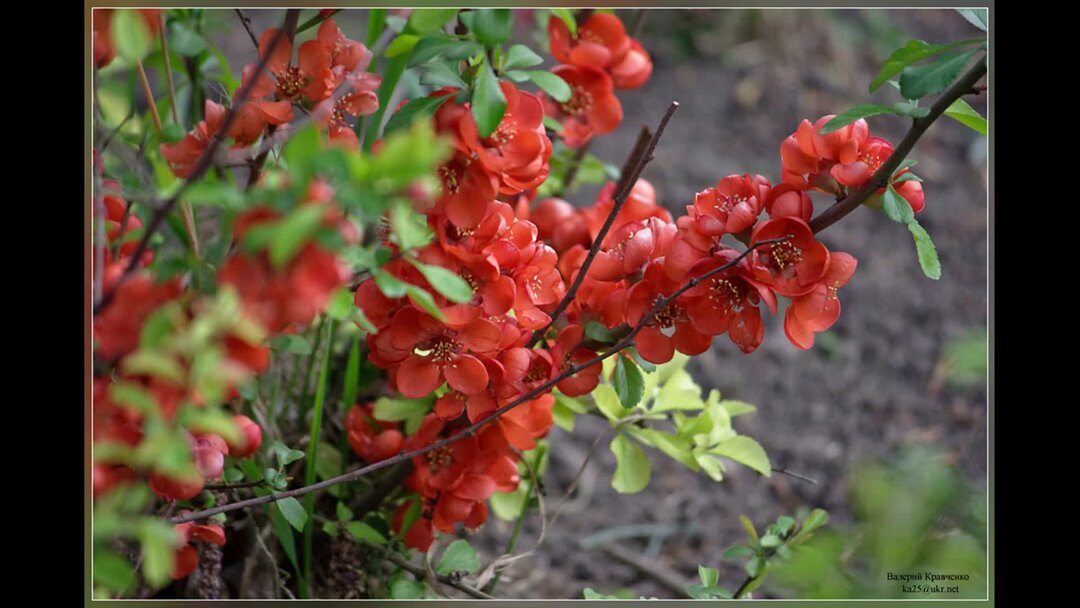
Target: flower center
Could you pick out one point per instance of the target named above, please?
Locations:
(783, 255)
(579, 103)
(439, 457)
(503, 134)
(725, 204)
(451, 174)
(443, 350)
(727, 295)
(665, 319)
(290, 81)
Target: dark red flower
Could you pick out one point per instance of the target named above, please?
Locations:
(670, 328)
(592, 107)
(729, 301)
(792, 267)
(601, 41)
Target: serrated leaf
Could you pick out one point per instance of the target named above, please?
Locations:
(446, 282)
(416, 109)
(979, 17)
(551, 84)
(362, 531)
(401, 45)
(293, 512)
(919, 81)
(746, 451)
(629, 384)
(607, 401)
(862, 111)
(492, 26)
(966, 115)
(130, 35)
(459, 556)
(488, 101)
(632, 466)
(896, 207)
(291, 343)
(912, 52)
(521, 56)
(927, 252)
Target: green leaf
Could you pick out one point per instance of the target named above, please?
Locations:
(134, 396)
(755, 567)
(113, 571)
(519, 76)
(674, 446)
(410, 229)
(439, 75)
(629, 385)
(488, 101)
(391, 286)
(912, 52)
(328, 462)
(285, 455)
(744, 450)
(896, 207)
(330, 528)
(459, 556)
(366, 533)
(910, 109)
(394, 410)
(294, 512)
(154, 363)
(737, 408)
(906, 177)
(927, 252)
(709, 576)
(130, 35)
(521, 56)
(567, 17)
(632, 466)
(751, 533)
(184, 39)
(416, 109)
(340, 306)
(562, 416)
(816, 519)
(919, 81)
(291, 343)
(293, 231)
(550, 123)
(210, 420)
(424, 300)
(846, 118)
(172, 133)
(979, 17)
(433, 47)
(343, 512)
(427, 21)
(401, 45)
(407, 589)
(444, 281)
(158, 539)
(492, 26)
(960, 111)
(771, 541)
(737, 552)
(607, 401)
(551, 84)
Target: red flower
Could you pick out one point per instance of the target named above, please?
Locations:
(729, 301)
(371, 439)
(118, 327)
(438, 352)
(187, 557)
(592, 107)
(792, 267)
(184, 154)
(567, 351)
(912, 192)
(669, 329)
(256, 113)
(518, 150)
(732, 206)
(788, 200)
(250, 437)
(634, 69)
(347, 56)
(601, 41)
(855, 168)
(817, 310)
(361, 101)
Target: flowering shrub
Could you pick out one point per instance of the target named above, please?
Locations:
(478, 307)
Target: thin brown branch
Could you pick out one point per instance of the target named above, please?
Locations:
(918, 127)
(149, 94)
(246, 21)
(168, 67)
(235, 486)
(620, 197)
(794, 474)
(420, 572)
(644, 136)
(472, 429)
(203, 164)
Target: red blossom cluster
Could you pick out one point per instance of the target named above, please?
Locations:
(598, 59)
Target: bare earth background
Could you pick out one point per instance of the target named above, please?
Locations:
(744, 80)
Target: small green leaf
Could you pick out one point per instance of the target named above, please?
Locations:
(416, 109)
(459, 556)
(401, 45)
(158, 539)
(407, 589)
(737, 552)
(488, 101)
(896, 207)
(629, 384)
(184, 39)
(906, 177)
(910, 109)
(919, 81)
(846, 118)
(550, 123)
(340, 306)
(327, 462)
(285, 455)
(744, 450)
(751, 533)
(607, 401)
(424, 300)
(426, 21)
(154, 363)
(391, 286)
(439, 75)
(492, 26)
(755, 567)
(912, 52)
(816, 519)
(927, 252)
(330, 527)
(432, 47)
(410, 229)
(446, 282)
(291, 343)
(113, 571)
(130, 35)
(567, 17)
(394, 410)
(343, 512)
(293, 231)
(966, 115)
(521, 56)
(709, 576)
(632, 466)
(979, 17)
(366, 533)
(294, 512)
(562, 416)
(737, 408)
(771, 541)
(551, 84)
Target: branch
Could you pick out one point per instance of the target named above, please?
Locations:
(919, 126)
(246, 21)
(620, 198)
(418, 571)
(200, 169)
(472, 429)
(644, 136)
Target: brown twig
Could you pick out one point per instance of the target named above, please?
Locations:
(148, 93)
(235, 486)
(203, 164)
(246, 21)
(918, 127)
(472, 429)
(316, 20)
(419, 571)
(620, 197)
(644, 136)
